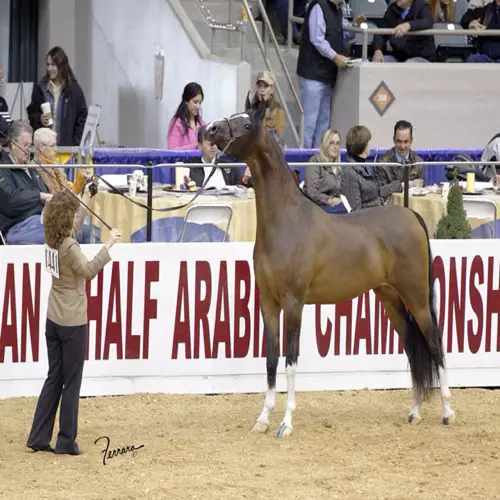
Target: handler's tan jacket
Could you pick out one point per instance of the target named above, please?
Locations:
(68, 299)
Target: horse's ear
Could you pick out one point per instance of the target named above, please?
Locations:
(260, 109)
(248, 103)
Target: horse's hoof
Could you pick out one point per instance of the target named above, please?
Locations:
(283, 431)
(260, 427)
(450, 419)
(414, 419)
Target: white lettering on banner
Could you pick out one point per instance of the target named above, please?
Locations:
(52, 261)
(186, 318)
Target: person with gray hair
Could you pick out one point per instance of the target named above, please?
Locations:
(22, 191)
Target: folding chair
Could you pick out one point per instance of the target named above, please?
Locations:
(481, 209)
(356, 45)
(208, 214)
(451, 47)
(372, 9)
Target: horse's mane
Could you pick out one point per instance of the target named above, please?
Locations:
(255, 111)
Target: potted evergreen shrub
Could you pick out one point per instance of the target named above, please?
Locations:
(454, 225)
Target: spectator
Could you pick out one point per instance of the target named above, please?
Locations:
(55, 178)
(222, 176)
(322, 183)
(22, 191)
(67, 101)
(405, 16)
(482, 18)
(443, 11)
(186, 123)
(45, 142)
(401, 153)
(358, 183)
(492, 153)
(299, 9)
(275, 116)
(320, 56)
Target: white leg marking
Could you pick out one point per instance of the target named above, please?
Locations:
(414, 416)
(448, 413)
(262, 424)
(286, 427)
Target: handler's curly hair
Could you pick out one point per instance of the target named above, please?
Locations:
(59, 217)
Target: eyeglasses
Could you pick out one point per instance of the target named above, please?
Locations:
(49, 145)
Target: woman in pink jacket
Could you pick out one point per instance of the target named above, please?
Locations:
(184, 126)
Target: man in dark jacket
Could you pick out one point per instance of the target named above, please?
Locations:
(22, 192)
(405, 16)
(320, 56)
(403, 154)
(484, 18)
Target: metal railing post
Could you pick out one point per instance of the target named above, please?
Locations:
(212, 41)
(149, 215)
(229, 44)
(291, 4)
(365, 46)
(243, 40)
(406, 189)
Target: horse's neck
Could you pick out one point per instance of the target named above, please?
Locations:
(273, 182)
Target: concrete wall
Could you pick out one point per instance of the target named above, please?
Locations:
(450, 105)
(56, 26)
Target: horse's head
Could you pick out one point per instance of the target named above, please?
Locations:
(240, 132)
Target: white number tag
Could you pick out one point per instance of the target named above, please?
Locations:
(52, 261)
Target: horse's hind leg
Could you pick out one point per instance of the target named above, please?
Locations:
(398, 315)
(271, 314)
(428, 326)
(293, 312)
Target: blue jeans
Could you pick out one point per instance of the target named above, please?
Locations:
(315, 98)
(337, 209)
(31, 232)
(299, 10)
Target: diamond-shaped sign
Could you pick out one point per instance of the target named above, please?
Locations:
(382, 98)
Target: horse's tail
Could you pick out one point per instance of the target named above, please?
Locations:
(425, 350)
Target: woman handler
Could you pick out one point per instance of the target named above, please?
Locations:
(66, 326)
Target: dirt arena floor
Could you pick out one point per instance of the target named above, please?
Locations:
(352, 445)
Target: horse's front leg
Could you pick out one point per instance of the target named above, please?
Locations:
(293, 323)
(271, 315)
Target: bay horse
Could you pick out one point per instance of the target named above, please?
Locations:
(303, 255)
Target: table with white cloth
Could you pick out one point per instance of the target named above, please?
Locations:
(432, 206)
(131, 220)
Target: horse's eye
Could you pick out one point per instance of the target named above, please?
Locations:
(248, 126)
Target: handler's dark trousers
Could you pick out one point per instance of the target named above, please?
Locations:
(66, 352)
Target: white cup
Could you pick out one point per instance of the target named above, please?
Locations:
(47, 112)
(132, 187)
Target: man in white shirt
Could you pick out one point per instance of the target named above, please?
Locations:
(222, 177)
